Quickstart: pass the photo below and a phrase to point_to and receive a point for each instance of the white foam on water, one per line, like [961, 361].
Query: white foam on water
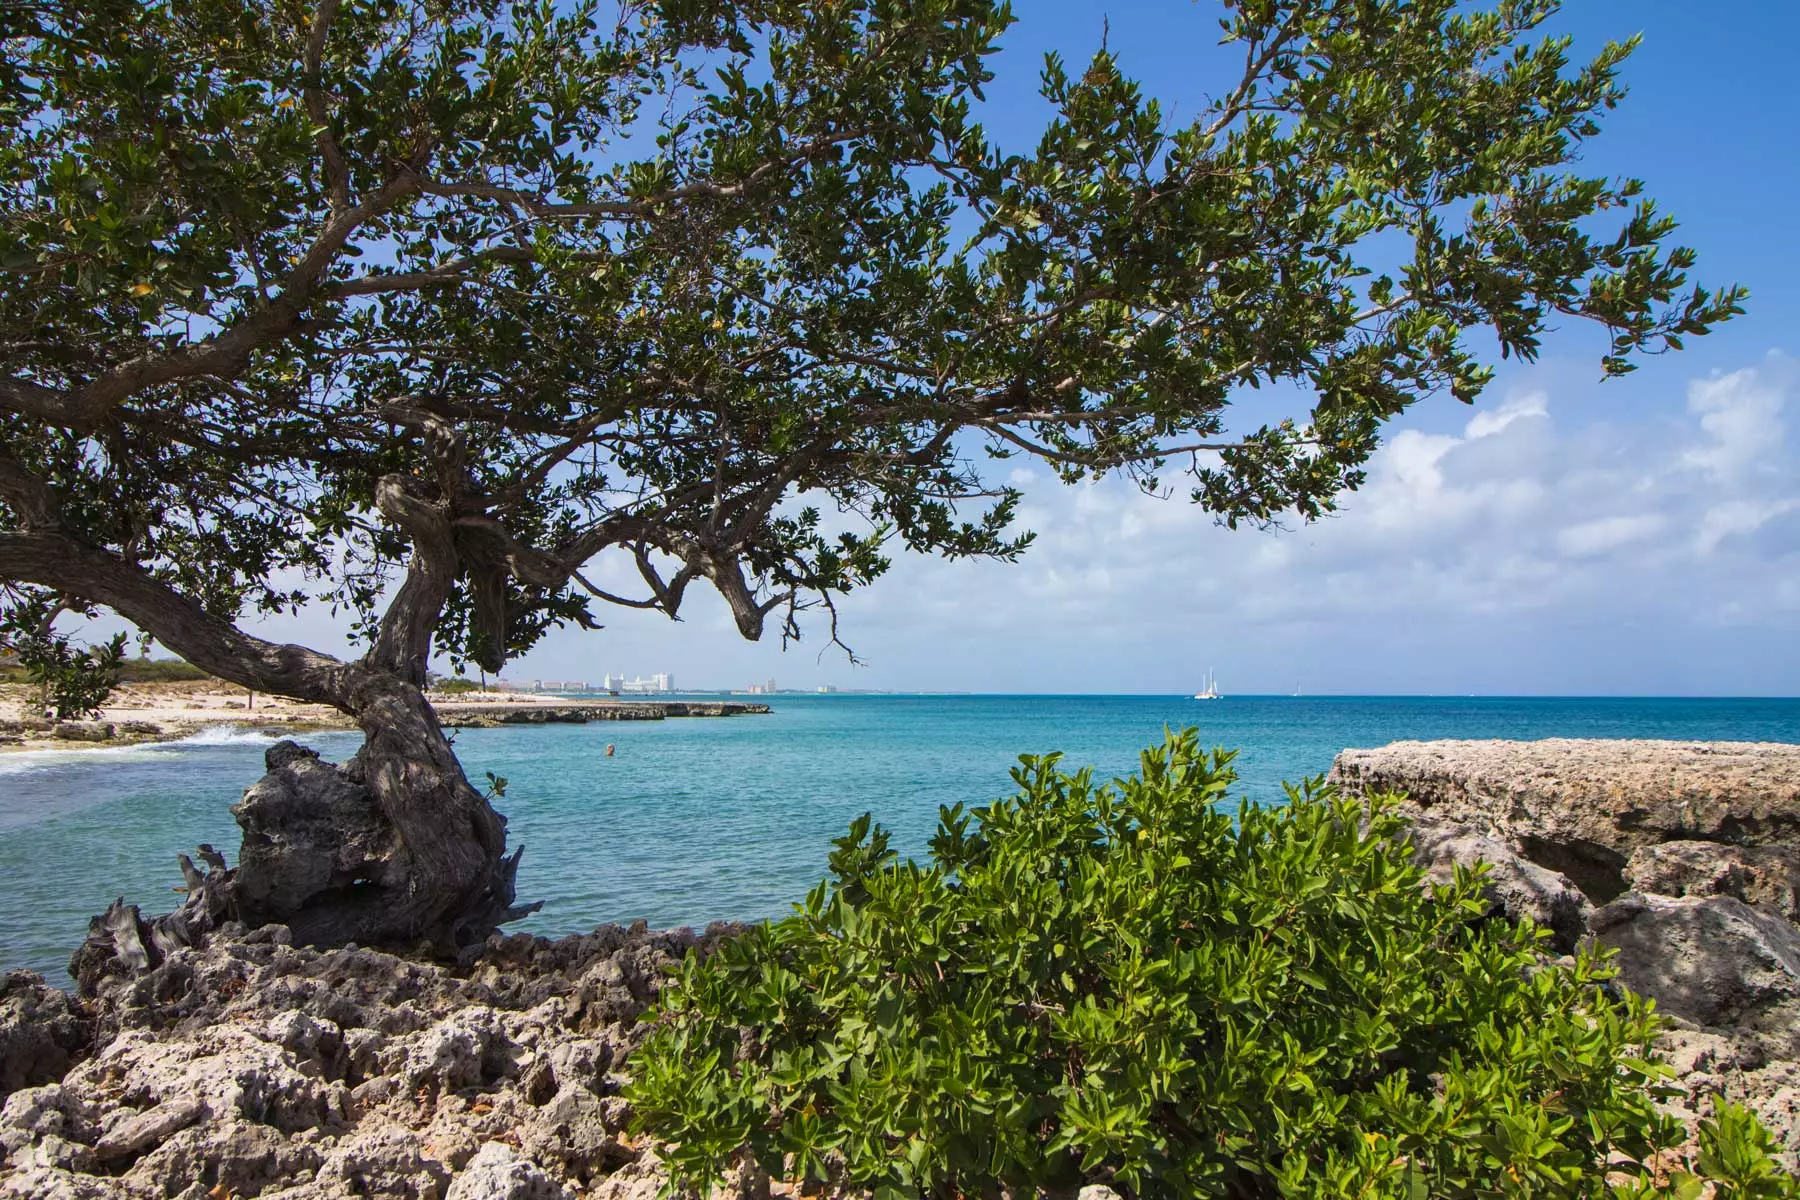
[23, 762]
[20, 762]
[225, 735]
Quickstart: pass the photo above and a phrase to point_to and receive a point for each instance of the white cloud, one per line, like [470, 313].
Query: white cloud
[1523, 535]
[1741, 416]
[1607, 534]
[1514, 408]
[1735, 518]
[1532, 547]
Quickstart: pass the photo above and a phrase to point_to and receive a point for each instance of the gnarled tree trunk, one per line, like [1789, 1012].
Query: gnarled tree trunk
[401, 849]
[394, 846]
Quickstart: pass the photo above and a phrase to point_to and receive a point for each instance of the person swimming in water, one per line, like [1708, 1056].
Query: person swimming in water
[609, 749]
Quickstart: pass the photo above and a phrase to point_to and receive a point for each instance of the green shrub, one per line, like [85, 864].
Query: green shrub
[160, 670]
[71, 681]
[455, 686]
[1124, 983]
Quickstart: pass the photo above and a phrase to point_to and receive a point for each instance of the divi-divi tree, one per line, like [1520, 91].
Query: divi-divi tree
[422, 309]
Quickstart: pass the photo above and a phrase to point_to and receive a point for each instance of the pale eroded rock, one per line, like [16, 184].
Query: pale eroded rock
[497, 1172]
[277, 1071]
[1711, 960]
[1581, 806]
[1517, 887]
[1765, 877]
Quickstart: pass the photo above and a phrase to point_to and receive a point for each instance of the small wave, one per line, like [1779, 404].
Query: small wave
[225, 735]
[20, 762]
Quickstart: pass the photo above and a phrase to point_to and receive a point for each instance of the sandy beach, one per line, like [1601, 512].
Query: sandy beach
[158, 712]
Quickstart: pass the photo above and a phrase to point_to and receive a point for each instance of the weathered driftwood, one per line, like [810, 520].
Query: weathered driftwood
[121, 941]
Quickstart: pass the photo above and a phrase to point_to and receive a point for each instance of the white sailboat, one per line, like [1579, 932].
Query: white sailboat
[1211, 690]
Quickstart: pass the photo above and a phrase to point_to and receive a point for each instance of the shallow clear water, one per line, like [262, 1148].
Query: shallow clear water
[701, 819]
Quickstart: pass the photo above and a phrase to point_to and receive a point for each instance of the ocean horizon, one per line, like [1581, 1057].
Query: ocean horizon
[703, 819]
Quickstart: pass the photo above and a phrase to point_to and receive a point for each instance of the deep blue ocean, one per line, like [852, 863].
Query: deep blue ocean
[703, 819]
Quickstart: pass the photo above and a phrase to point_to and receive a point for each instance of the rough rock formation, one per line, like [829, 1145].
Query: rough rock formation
[1682, 857]
[251, 1067]
[475, 716]
[1767, 877]
[1582, 806]
[41, 1031]
[1711, 960]
[1514, 886]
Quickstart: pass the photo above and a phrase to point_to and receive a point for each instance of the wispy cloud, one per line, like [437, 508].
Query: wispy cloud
[1533, 548]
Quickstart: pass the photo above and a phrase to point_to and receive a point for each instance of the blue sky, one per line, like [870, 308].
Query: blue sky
[1563, 537]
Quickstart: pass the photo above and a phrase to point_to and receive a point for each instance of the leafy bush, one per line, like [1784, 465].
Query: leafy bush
[160, 670]
[1123, 983]
[455, 686]
[71, 681]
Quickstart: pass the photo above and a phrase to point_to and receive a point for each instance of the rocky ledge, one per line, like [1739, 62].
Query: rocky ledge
[280, 719]
[1684, 857]
[251, 1067]
[487, 716]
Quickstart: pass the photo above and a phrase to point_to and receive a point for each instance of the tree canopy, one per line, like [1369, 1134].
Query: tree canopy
[507, 287]
[425, 306]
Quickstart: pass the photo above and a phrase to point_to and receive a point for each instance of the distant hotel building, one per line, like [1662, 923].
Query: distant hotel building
[662, 681]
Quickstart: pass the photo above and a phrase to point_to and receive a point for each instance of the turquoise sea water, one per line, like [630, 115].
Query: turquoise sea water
[703, 819]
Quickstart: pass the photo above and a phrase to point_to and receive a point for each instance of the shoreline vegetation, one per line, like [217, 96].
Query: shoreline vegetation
[239, 1059]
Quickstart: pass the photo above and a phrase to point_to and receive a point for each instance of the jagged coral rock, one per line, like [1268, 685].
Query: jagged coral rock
[40, 1029]
[1692, 852]
[270, 1070]
[1582, 805]
[1766, 877]
[497, 1172]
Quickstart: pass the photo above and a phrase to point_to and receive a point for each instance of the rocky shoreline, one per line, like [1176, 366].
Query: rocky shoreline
[250, 1067]
[247, 1066]
[1684, 857]
[489, 716]
[144, 714]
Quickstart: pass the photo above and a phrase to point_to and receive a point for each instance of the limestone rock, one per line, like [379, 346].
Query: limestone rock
[1712, 1066]
[41, 1183]
[1581, 806]
[384, 1160]
[466, 1049]
[640, 1180]
[1711, 960]
[31, 1114]
[84, 731]
[498, 1173]
[41, 1029]
[281, 1071]
[243, 1156]
[47, 1128]
[1515, 886]
[576, 1129]
[1766, 877]
[146, 1130]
